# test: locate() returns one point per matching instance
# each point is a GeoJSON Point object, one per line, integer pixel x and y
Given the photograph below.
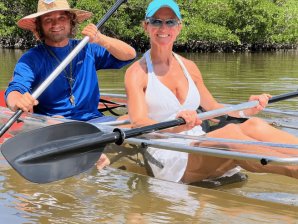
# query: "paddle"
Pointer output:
{"type": "Point", "coordinates": [60, 68]}
{"type": "Point", "coordinates": [63, 150]}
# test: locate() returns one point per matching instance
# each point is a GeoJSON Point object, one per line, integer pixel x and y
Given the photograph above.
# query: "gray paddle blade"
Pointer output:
{"type": "Point", "coordinates": [36, 154]}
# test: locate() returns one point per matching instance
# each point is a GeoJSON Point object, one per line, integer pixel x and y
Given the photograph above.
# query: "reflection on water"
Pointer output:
{"type": "Point", "coordinates": [115, 196]}
{"type": "Point", "coordinates": [233, 77]}
{"type": "Point", "coordinates": [268, 187]}
{"type": "Point", "coordinates": [8, 58]}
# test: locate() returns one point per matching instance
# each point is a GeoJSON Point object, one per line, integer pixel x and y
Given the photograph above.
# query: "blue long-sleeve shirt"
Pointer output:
{"type": "Point", "coordinates": [38, 63]}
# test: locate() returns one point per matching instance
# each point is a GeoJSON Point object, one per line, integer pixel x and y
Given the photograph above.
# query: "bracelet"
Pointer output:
{"type": "Point", "coordinates": [242, 114]}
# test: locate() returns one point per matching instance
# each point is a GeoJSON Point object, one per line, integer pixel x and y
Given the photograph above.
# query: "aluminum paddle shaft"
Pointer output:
{"type": "Point", "coordinates": [168, 124]}
{"type": "Point", "coordinates": [61, 67]}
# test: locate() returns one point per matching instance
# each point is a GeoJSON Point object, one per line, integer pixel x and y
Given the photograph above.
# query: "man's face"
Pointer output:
{"type": "Point", "coordinates": [56, 26]}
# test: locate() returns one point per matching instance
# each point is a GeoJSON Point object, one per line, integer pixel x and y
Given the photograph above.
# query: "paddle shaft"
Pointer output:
{"type": "Point", "coordinates": [61, 67]}
{"type": "Point", "coordinates": [284, 96]}
{"type": "Point", "coordinates": [180, 121]}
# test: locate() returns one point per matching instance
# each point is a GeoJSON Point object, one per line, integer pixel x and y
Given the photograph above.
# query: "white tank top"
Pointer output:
{"type": "Point", "coordinates": [163, 105]}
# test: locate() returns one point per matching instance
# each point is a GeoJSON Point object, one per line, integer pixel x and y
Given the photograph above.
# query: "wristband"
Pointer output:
{"type": "Point", "coordinates": [242, 114]}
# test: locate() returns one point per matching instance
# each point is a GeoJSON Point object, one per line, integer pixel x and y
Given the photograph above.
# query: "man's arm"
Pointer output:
{"type": "Point", "coordinates": [117, 48]}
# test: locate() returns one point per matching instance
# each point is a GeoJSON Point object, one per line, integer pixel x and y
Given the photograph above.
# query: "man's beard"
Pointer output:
{"type": "Point", "coordinates": [57, 37]}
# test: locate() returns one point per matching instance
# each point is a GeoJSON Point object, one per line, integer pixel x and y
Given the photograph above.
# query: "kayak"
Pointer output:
{"type": "Point", "coordinates": [275, 189]}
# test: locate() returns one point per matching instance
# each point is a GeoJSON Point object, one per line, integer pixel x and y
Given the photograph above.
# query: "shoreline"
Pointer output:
{"type": "Point", "coordinates": [192, 46]}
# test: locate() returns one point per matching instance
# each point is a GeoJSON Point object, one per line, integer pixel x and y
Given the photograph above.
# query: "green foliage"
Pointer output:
{"type": "Point", "coordinates": [253, 20]}
{"type": "Point", "coordinates": [205, 21]}
{"type": "Point", "coordinates": [210, 21]}
{"type": "Point", "coordinates": [10, 12]}
{"type": "Point", "coordinates": [286, 28]}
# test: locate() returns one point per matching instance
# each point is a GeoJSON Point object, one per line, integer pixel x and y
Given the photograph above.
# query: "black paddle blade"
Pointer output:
{"type": "Point", "coordinates": [38, 157]}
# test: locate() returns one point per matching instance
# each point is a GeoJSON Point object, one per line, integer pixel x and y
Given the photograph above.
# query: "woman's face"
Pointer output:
{"type": "Point", "coordinates": [163, 28]}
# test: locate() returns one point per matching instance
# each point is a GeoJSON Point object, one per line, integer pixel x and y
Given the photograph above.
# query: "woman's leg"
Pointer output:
{"type": "Point", "coordinates": [290, 171]}
{"type": "Point", "coordinates": [200, 167]}
{"type": "Point", "coordinates": [258, 129]}
{"type": "Point", "coordinates": [235, 131]}
{"type": "Point", "coordinates": [102, 162]}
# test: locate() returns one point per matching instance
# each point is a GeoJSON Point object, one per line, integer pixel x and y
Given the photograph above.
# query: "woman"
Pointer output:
{"type": "Point", "coordinates": [162, 86]}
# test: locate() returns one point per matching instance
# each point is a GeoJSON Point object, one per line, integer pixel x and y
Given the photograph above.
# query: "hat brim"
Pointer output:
{"type": "Point", "coordinates": [154, 10]}
{"type": "Point", "coordinates": [28, 22]}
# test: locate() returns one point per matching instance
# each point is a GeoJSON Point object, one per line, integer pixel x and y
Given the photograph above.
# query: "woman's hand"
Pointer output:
{"type": "Point", "coordinates": [263, 101]}
{"type": "Point", "coordinates": [191, 120]}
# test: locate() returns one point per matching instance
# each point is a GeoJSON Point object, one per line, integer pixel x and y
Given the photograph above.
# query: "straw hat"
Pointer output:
{"type": "Point", "coordinates": [47, 6]}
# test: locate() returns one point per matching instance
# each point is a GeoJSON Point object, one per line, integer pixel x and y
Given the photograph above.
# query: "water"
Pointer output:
{"type": "Point", "coordinates": [115, 196]}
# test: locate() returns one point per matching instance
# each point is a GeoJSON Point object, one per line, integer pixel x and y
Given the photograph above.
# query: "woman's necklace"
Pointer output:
{"type": "Point", "coordinates": [69, 75]}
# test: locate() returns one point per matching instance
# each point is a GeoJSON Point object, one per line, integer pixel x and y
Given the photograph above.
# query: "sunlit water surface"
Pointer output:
{"type": "Point", "coordinates": [115, 196]}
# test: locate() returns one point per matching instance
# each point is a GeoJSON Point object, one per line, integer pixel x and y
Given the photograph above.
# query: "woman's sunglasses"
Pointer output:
{"type": "Point", "coordinates": [158, 22]}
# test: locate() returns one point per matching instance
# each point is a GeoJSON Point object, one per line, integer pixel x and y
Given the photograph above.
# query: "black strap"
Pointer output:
{"type": "Point", "coordinates": [149, 158]}
{"type": "Point", "coordinates": [110, 108]}
{"type": "Point", "coordinates": [207, 126]}
{"type": "Point", "coordinates": [225, 120]}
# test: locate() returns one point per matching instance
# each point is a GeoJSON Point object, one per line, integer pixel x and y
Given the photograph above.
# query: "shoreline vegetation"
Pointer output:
{"type": "Point", "coordinates": [209, 25]}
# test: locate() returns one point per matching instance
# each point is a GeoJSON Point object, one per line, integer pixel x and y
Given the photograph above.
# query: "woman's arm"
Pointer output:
{"type": "Point", "coordinates": [135, 86]}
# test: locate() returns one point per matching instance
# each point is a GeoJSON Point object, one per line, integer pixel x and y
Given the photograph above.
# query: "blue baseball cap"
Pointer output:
{"type": "Point", "coordinates": [155, 5]}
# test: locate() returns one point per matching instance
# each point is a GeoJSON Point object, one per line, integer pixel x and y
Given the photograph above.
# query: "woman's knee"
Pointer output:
{"type": "Point", "coordinates": [253, 124]}
{"type": "Point", "coordinates": [254, 121]}
{"type": "Point", "coordinates": [228, 131]}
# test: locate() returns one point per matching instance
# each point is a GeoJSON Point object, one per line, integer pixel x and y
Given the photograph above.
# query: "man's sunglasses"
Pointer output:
{"type": "Point", "coordinates": [158, 22]}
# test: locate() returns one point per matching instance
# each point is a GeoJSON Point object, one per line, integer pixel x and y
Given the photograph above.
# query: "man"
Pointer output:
{"type": "Point", "coordinates": [74, 94]}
